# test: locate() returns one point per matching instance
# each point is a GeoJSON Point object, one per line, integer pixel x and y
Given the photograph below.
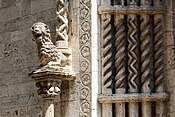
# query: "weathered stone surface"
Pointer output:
{"type": "Point", "coordinates": [147, 50]}
{"type": "Point", "coordinates": [18, 56]}
{"type": "Point", "coordinates": [2, 46]}
{"type": "Point", "coordinates": [68, 107]}
{"type": "Point", "coordinates": [169, 21]}
{"type": "Point", "coordinates": [170, 60]}
{"type": "Point", "coordinates": [36, 113]}
{"type": "Point", "coordinates": [14, 112]}
{"type": "Point", "coordinates": [69, 91]}
{"type": "Point", "coordinates": [170, 88]}
{"type": "Point", "coordinates": [3, 91]}
{"type": "Point", "coordinates": [169, 39]}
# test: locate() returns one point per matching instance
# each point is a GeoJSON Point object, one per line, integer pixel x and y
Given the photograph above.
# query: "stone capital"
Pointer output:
{"type": "Point", "coordinates": [49, 82]}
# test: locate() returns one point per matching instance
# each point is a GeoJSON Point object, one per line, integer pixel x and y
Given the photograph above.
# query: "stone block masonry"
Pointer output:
{"type": "Point", "coordinates": [18, 55]}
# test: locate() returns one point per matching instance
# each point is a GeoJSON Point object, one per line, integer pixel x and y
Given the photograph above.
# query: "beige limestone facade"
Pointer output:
{"type": "Point", "coordinates": [102, 58]}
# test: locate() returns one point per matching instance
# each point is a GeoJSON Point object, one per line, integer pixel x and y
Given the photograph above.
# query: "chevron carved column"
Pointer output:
{"type": "Point", "coordinates": [133, 62]}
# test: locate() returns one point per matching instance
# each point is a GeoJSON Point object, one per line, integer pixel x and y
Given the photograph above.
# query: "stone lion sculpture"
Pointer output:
{"type": "Point", "coordinates": [47, 51]}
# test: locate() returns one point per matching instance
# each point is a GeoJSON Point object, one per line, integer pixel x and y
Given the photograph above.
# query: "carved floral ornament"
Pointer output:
{"type": "Point", "coordinates": [85, 57]}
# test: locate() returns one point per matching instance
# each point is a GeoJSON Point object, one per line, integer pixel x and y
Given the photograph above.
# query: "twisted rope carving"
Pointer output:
{"type": "Point", "coordinates": [145, 49]}
{"type": "Point", "coordinates": [107, 53]}
{"type": "Point", "coordinates": [133, 53]}
{"type": "Point", "coordinates": [120, 56]}
{"type": "Point", "coordinates": [62, 14]}
{"type": "Point", "coordinates": [158, 49]}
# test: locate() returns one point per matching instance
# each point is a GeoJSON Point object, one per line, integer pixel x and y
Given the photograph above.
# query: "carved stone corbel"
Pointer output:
{"type": "Point", "coordinates": [49, 86]}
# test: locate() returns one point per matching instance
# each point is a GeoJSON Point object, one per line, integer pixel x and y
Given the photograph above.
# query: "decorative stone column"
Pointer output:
{"type": "Point", "coordinates": [132, 34]}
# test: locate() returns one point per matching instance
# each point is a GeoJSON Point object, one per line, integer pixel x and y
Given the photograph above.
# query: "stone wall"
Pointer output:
{"type": "Point", "coordinates": [18, 55]}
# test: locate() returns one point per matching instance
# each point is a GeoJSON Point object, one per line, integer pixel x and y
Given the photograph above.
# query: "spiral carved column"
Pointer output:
{"type": "Point", "coordinates": [106, 61]}
{"type": "Point", "coordinates": [145, 49]}
{"type": "Point", "coordinates": [133, 68]}
{"type": "Point", "coordinates": [145, 62]}
{"type": "Point", "coordinates": [120, 61]}
{"type": "Point", "coordinates": [107, 53]}
{"type": "Point", "coordinates": [159, 61]}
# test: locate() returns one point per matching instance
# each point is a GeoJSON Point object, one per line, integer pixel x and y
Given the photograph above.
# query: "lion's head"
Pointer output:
{"type": "Point", "coordinates": [39, 29]}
